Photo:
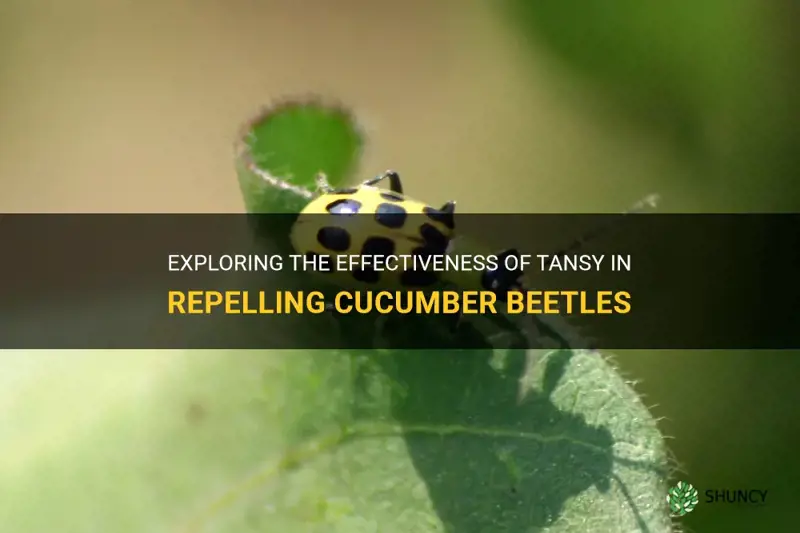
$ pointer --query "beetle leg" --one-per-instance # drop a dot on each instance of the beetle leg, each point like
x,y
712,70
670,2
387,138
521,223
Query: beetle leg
x,y
449,207
395,185
457,319
447,212
322,183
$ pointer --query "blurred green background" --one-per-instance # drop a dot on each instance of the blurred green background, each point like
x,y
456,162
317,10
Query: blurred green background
x,y
518,106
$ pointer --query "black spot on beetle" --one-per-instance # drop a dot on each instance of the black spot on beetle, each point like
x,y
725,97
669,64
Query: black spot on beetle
x,y
378,246
366,275
392,196
321,263
390,215
440,216
423,251
343,206
434,238
418,278
333,238
347,190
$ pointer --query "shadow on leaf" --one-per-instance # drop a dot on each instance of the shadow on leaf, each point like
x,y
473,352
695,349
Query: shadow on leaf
x,y
494,456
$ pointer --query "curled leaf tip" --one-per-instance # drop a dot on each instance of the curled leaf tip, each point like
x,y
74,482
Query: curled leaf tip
x,y
281,150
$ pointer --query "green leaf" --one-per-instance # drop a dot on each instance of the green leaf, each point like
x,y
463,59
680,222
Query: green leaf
x,y
327,442
389,441
283,148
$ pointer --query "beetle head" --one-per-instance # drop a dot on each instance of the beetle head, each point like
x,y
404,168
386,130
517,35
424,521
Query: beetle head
x,y
502,279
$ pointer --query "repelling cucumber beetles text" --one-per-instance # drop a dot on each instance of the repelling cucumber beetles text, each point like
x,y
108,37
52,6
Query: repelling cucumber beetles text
x,y
403,302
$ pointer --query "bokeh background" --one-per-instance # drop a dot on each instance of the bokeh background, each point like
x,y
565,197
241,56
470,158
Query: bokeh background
x,y
119,106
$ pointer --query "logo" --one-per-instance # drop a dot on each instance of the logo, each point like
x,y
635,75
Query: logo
x,y
682,498
737,496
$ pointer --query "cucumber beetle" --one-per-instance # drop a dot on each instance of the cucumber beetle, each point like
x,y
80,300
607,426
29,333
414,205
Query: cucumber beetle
x,y
370,221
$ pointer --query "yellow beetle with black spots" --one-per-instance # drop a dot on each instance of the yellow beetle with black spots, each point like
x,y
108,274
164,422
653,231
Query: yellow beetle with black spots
x,y
368,220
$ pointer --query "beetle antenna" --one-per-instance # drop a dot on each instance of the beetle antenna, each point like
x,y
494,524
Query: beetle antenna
x,y
646,203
